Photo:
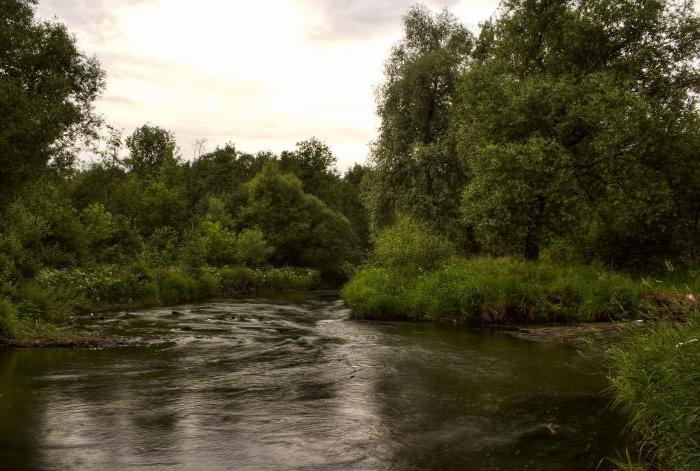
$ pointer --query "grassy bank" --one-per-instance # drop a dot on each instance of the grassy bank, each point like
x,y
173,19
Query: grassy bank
x,y
32,312
414,274
656,381
488,290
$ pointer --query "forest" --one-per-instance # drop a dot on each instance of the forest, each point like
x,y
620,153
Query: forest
x,y
542,169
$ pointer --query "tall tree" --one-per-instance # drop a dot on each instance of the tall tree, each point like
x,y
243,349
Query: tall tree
x,y
47,90
417,171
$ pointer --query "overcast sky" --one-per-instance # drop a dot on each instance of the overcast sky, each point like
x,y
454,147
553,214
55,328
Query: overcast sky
x,y
262,74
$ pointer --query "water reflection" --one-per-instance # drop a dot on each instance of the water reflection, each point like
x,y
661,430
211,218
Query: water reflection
x,y
280,384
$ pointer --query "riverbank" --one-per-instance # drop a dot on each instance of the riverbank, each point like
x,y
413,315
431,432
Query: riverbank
x,y
42,312
509,291
655,377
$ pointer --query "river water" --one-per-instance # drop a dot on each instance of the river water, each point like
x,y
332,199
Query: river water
x,y
292,384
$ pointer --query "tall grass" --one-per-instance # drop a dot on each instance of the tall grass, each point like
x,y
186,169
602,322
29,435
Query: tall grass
x,y
495,290
656,380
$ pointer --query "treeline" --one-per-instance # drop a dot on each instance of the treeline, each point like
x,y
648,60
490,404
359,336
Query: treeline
x,y
566,129
152,227
225,207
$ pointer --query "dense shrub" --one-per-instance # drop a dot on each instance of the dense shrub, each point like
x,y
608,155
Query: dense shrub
x,y
303,229
8,318
177,286
410,246
378,293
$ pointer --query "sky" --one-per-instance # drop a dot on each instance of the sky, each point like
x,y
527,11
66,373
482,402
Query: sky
x,y
262,74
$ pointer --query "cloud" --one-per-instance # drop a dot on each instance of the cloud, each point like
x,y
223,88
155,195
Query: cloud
x,y
361,19
261,74
94,18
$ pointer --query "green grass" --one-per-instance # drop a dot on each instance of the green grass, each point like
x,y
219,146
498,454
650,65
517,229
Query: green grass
x,y
656,381
502,290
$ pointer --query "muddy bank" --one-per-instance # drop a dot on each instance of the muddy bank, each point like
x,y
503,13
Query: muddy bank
x,y
69,337
570,334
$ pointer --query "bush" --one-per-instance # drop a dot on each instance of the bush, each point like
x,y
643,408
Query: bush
x,y
409,246
8,318
378,293
176,286
656,379
208,285
304,231
43,303
251,248
237,280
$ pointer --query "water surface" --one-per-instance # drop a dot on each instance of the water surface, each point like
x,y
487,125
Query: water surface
x,y
291,384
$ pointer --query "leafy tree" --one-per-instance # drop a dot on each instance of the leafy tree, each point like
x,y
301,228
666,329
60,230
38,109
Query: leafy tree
x,y
315,165
608,89
303,230
108,237
223,174
149,148
517,200
41,228
417,171
47,89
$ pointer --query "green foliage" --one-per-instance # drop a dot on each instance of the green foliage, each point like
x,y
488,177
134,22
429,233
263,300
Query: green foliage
x,y
176,286
486,290
415,275
303,230
417,171
251,248
150,147
314,164
237,280
213,244
8,318
379,294
577,119
655,377
517,200
47,87
410,246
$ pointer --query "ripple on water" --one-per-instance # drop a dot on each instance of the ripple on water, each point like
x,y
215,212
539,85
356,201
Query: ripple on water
x,y
266,384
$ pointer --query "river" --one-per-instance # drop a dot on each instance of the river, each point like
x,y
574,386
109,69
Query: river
x,y
290,383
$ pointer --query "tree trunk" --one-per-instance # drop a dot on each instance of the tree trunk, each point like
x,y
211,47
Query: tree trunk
x,y
532,247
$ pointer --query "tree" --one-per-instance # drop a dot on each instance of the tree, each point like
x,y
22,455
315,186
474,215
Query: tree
x,y
417,171
304,231
47,90
608,88
314,164
149,148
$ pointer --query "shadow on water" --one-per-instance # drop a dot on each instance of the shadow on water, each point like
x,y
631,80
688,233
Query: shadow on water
x,y
291,384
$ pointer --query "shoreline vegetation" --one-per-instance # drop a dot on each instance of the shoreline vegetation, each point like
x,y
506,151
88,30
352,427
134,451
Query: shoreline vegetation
x,y
43,313
414,274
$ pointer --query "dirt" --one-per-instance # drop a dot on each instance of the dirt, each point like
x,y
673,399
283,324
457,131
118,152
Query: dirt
x,y
571,334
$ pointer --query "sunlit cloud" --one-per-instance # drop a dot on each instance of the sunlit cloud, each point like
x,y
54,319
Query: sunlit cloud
x,y
262,75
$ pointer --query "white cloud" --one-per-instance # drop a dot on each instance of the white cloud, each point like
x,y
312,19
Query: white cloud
x,y
263,75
